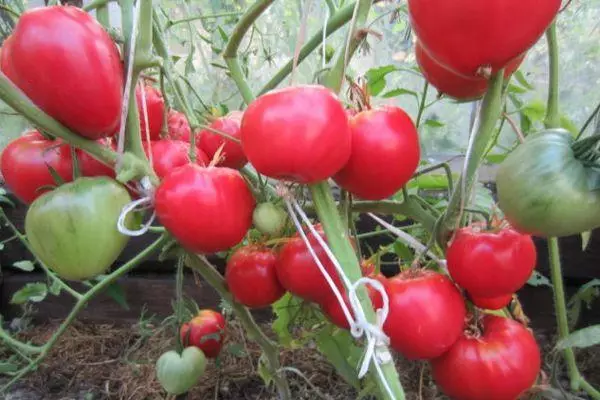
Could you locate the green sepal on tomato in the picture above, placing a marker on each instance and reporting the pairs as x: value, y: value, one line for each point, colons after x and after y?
x: 545, y: 190
x: 178, y: 373
x: 73, y: 229
x: 205, y: 331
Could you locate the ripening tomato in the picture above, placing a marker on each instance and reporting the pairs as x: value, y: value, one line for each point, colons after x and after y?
x: 299, y: 273
x: 169, y: 154
x: 251, y: 276
x: 210, y: 142
x: 427, y: 314
x: 68, y: 65
x: 178, y: 126
x: 89, y: 166
x: 155, y: 108
x: 492, y: 303
x: 385, y: 153
x: 298, y: 133
x: 206, y: 209
x: 205, y: 331
x: 450, y: 83
x: 491, y: 264
x: 26, y: 161
x: 500, y: 364
x: 334, y: 312
x: 465, y: 35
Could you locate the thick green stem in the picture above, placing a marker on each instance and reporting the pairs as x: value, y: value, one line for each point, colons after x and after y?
x: 270, y: 350
x: 230, y: 54
x: 335, y: 22
x: 96, y: 4
x: 103, y: 16
x: 483, y: 130
x: 330, y: 6
x: 552, y: 113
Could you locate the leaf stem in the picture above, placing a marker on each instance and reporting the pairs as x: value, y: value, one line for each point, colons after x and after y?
x: 422, y: 104
x: 172, y: 23
x: 94, y: 4
x: 553, y: 114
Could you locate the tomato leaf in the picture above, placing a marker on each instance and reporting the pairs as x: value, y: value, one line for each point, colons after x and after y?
x: 434, y: 123
x: 538, y: 280
x: 236, y: 350
x: 54, y: 288
x: 583, y: 338
x: 263, y: 371
x: 337, y: 346
x: 285, y: 310
x: 34, y: 292
x: 400, y: 92
x: 376, y: 78
x: 520, y: 77
x: 585, y: 296
x: 24, y: 265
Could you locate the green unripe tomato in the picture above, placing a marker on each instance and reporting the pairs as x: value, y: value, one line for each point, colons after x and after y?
x: 178, y: 373
x: 269, y: 219
x: 73, y: 229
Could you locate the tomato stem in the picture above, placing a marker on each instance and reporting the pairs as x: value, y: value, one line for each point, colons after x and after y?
x: 422, y: 106
x: 552, y: 111
x: 94, y: 4
x: 103, y: 16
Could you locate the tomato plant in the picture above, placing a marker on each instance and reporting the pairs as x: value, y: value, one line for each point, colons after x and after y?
x: 206, y: 331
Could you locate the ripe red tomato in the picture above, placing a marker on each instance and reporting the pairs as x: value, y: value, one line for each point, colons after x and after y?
x: 465, y: 35
x: 491, y: 264
x: 206, y: 209
x: 205, y: 331
x: 232, y: 153
x: 155, y: 107
x: 67, y: 64
x: 427, y: 314
x: 501, y: 364
x: 450, y: 83
x: 89, y: 166
x: 178, y: 126
x: 169, y: 154
x: 385, y: 153
x: 298, y: 133
x: 492, y: 303
x: 333, y: 310
x: 24, y: 164
x: 252, y: 277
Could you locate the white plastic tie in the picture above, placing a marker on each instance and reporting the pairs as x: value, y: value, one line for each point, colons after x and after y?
x: 146, y: 201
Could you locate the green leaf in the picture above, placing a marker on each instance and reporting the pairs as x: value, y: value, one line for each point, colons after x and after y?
x: 496, y: 158
x: 223, y: 35
x: 568, y: 124
x: 55, y: 288
x: 34, y: 292
x: 402, y: 251
x: 263, y: 371
x: 520, y: 77
x: 535, y: 111
x: 583, y: 338
x: 376, y: 78
x: 434, y: 123
x: 585, y: 239
x: 116, y: 292
x: 538, y: 280
x: 24, y: 265
x: 236, y: 350
x: 336, y: 347
x: 285, y: 310
x: 516, y: 89
x: 400, y: 92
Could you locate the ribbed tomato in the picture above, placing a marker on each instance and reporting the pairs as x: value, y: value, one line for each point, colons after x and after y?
x: 67, y: 64
x: 205, y: 331
x: 210, y: 142
x: 427, y: 314
x: 178, y: 126
x: 500, y: 364
x: 466, y: 35
x: 491, y: 264
x: 169, y: 154
x: 251, y: 276
x: 25, y: 165
x: 206, y: 209
x: 155, y: 108
x: 298, y: 133
x: 385, y: 153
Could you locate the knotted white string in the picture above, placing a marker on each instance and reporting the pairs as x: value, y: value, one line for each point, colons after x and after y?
x: 147, y: 190
x: 376, y: 351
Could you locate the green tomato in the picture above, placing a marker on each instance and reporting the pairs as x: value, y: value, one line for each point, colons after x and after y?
x: 269, y: 219
x: 73, y: 229
x: 544, y: 190
x: 178, y: 373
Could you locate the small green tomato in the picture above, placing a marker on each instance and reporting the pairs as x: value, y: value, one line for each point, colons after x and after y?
x: 269, y: 218
x: 178, y: 373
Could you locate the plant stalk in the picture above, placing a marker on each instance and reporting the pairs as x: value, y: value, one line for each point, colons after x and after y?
x: 552, y: 111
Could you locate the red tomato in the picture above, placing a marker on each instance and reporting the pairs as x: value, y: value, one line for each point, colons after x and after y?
x: 450, y: 83
x: 169, y: 154
x: 465, y: 35
x: 5, y: 57
x: 155, y: 107
x: 25, y: 165
x: 67, y: 64
x: 210, y: 142
x: 427, y: 314
x: 501, y: 364
x: 492, y: 303
x: 178, y: 126
x: 205, y: 331
x: 89, y: 166
x: 385, y: 153
x: 333, y: 310
x: 252, y: 277
x: 298, y: 133
x: 300, y: 274
x: 491, y: 264
x: 206, y: 209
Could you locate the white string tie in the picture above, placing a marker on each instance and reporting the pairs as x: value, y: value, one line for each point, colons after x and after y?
x: 143, y: 203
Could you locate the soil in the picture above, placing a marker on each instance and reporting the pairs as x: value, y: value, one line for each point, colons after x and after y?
x: 92, y: 362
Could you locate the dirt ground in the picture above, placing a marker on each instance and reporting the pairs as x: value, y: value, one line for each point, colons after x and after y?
x: 93, y: 362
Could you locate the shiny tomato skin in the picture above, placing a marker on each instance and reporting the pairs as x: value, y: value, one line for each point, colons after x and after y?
x: 491, y: 264
x: 427, y: 314
x: 465, y: 35
x: 492, y: 303
x: 501, y: 364
x: 232, y: 153
x: 167, y: 155
x: 251, y: 276
x: 5, y: 58
x: 333, y: 310
x: 299, y: 273
x: 450, y: 83
x: 24, y: 165
x: 298, y: 133
x: 206, y: 323
x: 385, y: 153
x: 68, y: 65
x: 206, y: 209
x: 89, y: 166
x: 178, y: 126
x: 155, y: 107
